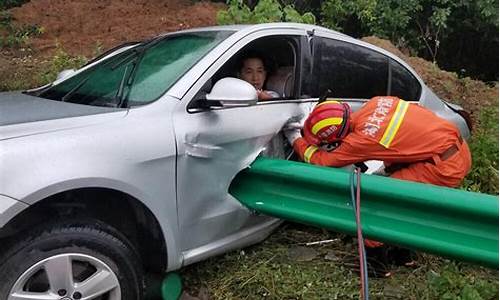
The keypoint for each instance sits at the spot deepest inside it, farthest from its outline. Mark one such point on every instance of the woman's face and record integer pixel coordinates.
(253, 72)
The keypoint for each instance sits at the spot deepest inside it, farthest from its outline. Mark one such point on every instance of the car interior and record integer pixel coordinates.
(280, 55)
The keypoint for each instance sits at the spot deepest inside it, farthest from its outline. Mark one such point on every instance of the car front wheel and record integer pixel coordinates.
(71, 261)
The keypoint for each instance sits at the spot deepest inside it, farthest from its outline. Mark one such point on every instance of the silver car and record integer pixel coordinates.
(122, 167)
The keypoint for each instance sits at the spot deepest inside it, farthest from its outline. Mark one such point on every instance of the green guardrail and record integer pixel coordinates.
(444, 221)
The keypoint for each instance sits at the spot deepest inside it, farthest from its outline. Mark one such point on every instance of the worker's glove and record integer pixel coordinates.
(291, 134)
(292, 125)
(381, 171)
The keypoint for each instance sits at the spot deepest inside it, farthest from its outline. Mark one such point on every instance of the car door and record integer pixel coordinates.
(214, 145)
(355, 73)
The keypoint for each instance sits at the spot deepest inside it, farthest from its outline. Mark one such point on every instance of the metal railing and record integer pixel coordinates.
(444, 221)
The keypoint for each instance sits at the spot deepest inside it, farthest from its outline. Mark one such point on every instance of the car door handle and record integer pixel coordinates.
(201, 150)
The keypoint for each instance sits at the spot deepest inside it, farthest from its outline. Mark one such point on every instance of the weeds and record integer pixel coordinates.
(454, 284)
(267, 271)
(483, 176)
(6, 4)
(12, 35)
(61, 61)
(21, 77)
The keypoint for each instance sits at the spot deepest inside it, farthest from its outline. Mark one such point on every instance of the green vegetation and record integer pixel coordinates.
(60, 61)
(442, 31)
(461, 36)
(6, 4)
(422, 25)
(394, 20)
(483, 176)
(265, 11)
(12, 35)
(271, 271)
(39, 72)
(454, 284)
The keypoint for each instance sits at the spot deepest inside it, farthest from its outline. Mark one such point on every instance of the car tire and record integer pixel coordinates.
(71, 260)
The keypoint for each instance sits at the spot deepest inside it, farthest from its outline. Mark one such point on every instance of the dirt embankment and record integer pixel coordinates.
(81, 26)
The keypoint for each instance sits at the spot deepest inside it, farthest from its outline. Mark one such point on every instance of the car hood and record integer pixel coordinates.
(22, 114)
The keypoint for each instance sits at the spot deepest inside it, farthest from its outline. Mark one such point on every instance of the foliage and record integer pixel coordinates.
(266, 11)
(483, 176)
(12, 35)
(5, 4)
(418, 22)
(425, 26)
(452, 284)
(61, 61)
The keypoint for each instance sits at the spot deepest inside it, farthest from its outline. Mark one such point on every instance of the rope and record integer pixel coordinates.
(356, 203)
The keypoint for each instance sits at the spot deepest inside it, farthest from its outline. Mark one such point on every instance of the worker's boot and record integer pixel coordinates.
(402, 256)
(380, 259)
(377, 260)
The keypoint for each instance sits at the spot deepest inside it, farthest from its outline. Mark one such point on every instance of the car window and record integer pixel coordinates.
(348, 70)
(163, 64)
(276, 53)
(139, 75)
(97, 86)
(403, 84)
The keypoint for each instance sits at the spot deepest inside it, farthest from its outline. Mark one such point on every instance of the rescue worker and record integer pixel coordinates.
(413, 143)
(411, 140)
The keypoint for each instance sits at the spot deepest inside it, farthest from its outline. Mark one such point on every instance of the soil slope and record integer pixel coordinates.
(80, 26)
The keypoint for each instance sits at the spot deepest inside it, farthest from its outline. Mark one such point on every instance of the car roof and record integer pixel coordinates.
(248, 28)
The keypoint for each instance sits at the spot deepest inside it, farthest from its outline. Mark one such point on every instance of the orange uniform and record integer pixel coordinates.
(395, 131)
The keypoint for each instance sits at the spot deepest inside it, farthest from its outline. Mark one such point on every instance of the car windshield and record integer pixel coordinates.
(138, 75)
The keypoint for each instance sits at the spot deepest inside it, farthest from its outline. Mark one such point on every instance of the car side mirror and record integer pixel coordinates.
(65, 74)
(232, 92)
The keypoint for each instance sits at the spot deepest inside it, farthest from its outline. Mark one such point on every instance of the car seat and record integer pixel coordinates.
(281, 81)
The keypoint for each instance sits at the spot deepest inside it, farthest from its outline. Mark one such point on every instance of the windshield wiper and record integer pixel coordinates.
(73, 90)
(124, 82)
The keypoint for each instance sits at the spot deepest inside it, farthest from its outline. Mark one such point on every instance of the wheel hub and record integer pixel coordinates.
(70, 276)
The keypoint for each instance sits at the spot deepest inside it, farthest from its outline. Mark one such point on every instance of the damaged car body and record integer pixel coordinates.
(122, 167)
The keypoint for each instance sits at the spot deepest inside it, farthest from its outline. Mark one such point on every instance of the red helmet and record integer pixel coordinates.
(328, 122)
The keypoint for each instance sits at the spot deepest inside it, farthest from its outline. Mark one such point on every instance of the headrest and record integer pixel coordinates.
(281, 81)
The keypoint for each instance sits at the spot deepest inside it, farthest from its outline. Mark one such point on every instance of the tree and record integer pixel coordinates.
(265, 11)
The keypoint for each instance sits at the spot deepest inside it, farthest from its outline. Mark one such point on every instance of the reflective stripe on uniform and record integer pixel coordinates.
(325, 123)
(328, 102)
(309, 152)
(393, 127)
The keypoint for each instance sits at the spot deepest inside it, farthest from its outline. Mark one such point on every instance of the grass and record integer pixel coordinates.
(267, 271)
